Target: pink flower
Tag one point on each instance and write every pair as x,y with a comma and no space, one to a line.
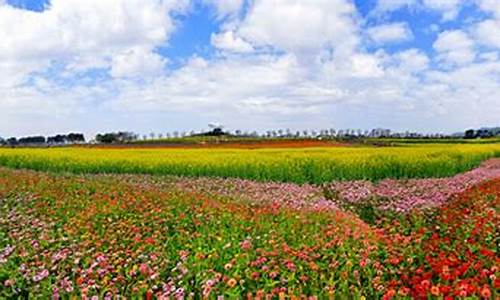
41,275
144,269
9,282
55,293
246,245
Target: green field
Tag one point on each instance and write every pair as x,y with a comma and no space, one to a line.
303,165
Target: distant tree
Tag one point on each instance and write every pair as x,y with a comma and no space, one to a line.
125,136
12,141
152,135
76,138
237,132
115,137
106,138
32,140
470,134
57,139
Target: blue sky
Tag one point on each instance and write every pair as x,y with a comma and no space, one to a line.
152,65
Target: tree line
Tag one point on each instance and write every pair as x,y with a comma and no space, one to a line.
59,139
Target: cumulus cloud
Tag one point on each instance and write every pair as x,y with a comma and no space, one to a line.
45,56
323,23
137,62
490,6
389,33
392,5
226,8
412,60
487,33
227,41
448,8
70,31
279,63
455,47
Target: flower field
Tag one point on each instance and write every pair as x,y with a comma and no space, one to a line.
302,165
100,236
280,224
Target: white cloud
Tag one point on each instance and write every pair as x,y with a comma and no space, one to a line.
412,60
365,66
202,84
487,33
322,23
227,41
69,31
226,8
490,56
271,70
390,33
137,62
392,5
490,6
455,47
448,8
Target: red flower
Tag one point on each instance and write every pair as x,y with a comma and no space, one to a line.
425,284
389,295
445,289
394,261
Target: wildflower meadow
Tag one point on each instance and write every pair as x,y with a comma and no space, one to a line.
137,229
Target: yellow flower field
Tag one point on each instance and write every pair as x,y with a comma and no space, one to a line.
312,165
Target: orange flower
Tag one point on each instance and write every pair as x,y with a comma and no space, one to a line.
232,282
485,292
404,291
435,290
389,295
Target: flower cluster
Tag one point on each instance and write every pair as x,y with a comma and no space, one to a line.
406,195
104,236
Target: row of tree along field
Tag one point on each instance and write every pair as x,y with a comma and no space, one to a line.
218,134
71,138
